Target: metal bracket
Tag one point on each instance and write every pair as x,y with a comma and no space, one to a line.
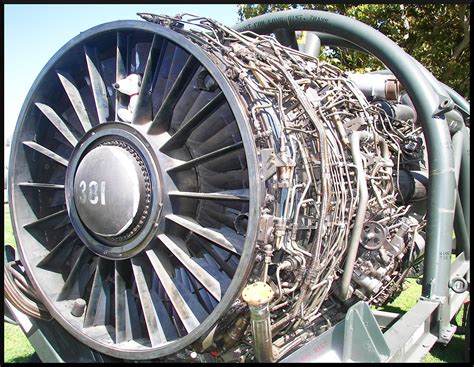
270,162
265,229
355,339
363,340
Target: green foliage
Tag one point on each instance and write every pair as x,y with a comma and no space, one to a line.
437,35
8,237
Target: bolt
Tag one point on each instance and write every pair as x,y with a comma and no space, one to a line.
78,307
444,103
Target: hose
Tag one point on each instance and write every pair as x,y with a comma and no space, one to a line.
19,292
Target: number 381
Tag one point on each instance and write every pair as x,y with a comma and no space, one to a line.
91,192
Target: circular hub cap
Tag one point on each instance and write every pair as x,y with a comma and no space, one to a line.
108,187
112,179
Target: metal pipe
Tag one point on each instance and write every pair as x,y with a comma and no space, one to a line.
333,40
462,104
464,185
457,153
351,255
455,121
376,85
235,333
457,98
313,44
460,230
258,296
463,176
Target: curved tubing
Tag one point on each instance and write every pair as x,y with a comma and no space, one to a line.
354,140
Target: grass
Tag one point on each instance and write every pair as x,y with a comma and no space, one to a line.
17,349
8,237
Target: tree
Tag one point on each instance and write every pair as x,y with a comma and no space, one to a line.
437,35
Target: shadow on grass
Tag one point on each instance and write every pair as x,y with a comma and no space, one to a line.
453,352
29,358
388,308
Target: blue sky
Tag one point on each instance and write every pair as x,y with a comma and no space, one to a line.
33,34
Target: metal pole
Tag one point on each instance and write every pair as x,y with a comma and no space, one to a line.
465,178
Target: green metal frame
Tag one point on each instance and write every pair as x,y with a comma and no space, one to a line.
406,338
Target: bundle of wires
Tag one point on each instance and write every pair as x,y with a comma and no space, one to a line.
20,293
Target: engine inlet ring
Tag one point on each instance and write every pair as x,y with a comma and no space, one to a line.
69,97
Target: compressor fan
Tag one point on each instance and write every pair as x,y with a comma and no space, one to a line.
137,218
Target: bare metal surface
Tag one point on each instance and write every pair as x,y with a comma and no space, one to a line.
97,84
46,152
76,100
403,337
185,313
211,284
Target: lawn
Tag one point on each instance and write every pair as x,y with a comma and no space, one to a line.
18,349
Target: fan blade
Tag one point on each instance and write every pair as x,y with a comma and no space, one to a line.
210,283
57,122
162,119
182,134
76,99
46,152
155,330
207,157
183,310
237,195
99,90
143,109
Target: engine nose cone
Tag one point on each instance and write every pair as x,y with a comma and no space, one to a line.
108,188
